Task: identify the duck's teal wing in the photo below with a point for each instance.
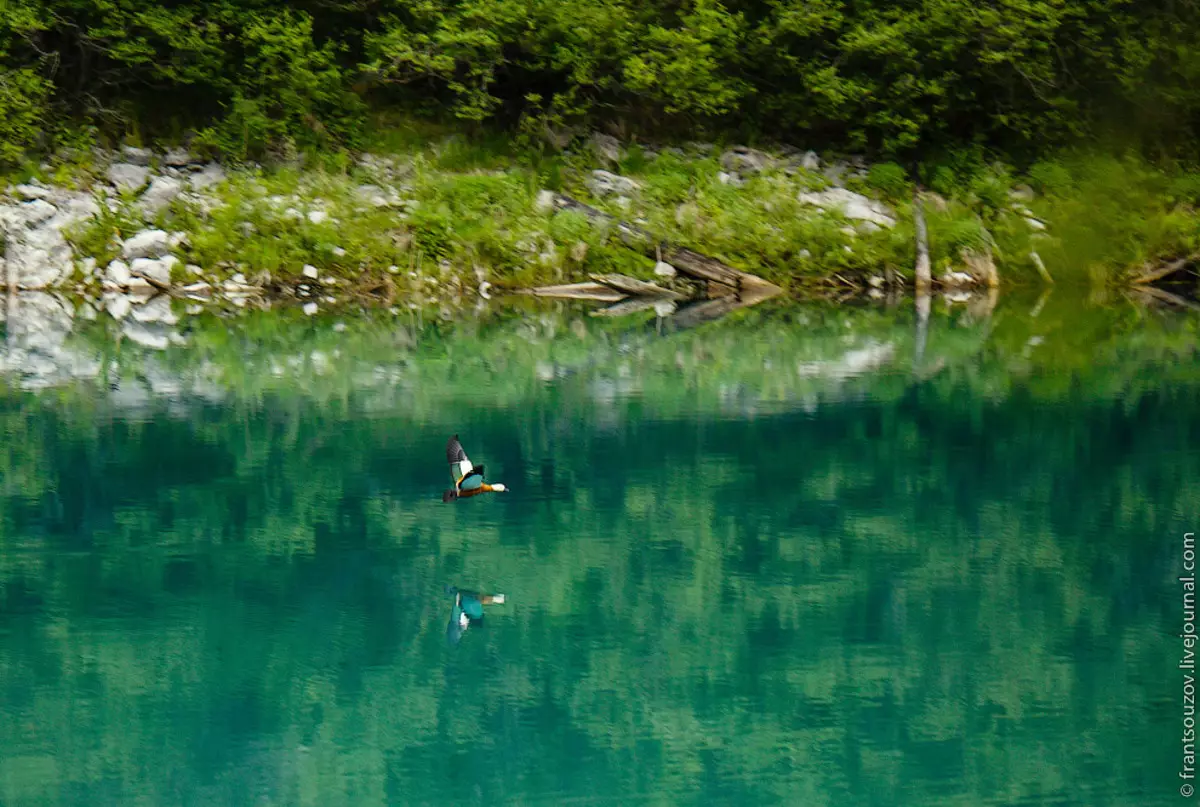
(472, 607)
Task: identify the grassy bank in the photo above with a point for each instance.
(427, 213)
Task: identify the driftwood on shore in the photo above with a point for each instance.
(633, 286)
(723, 287)
(686, 261)
(1150, 275)
(579, 291)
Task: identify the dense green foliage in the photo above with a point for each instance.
(887, 76)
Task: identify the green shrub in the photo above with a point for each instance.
(890, 180)
(1050, 178)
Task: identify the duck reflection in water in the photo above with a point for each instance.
(467, 611)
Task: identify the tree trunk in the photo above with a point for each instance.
(924, 279)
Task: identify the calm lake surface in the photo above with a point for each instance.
(799, 555)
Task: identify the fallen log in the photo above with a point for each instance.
(702, 267)
(578, 291)
(686, 261)
(633, 286)
(1171, 268)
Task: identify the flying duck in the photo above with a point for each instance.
(468, 478)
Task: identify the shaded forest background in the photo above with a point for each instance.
(898, 79)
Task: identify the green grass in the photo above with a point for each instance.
(467, 211)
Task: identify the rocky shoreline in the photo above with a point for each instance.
(40, 223)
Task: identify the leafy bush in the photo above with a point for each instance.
(890, 180)
(945, 79)
(1051, 178)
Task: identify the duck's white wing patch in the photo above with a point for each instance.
(460, 466)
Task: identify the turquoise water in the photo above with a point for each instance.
(777, 559)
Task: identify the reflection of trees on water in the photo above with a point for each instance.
(956, 585)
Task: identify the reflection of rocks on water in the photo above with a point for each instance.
(35, 350)
(853, 363)
(38, 351)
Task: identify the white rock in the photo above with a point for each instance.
(310, 272)
(37, 212)
(178, 158)
(606, 147)
(87, 268)
(483, 290)
(32, 191)
(117, 305)
(118, 274)
(206, 177)
(198, 288)
(836, 172)
(317, 216)
(156, 309)
(664, 308)
(135, 155)
(726, 178)
(810, 161)
(193, 269)
(1034, 224)
(310, 308)
(544, 202)
(155, 270)
(338, 252)
(37, 254)
(160, 194)
(177, 239)
(664, 269)
(742, 160)
(603, 183)
(851, 205)
(146, 244)
(875, 280)
(128, 177)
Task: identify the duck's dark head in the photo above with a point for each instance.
(449, 495)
